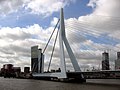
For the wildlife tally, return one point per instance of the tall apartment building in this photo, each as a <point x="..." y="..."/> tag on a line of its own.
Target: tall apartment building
<point x="34" y="59"/>
<point x="37" y="60"/>
<point x="105" y="61"/>
<point x="117" y="62"/>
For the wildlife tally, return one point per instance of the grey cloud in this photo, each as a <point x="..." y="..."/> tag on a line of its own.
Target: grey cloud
<point x="5" y="51"/>
<point x="34" y="6"/>
<point x="2" y="61"/>
<point x="20" y="50"/>
<point x="8" y="6"/>
<point x="20" y="36"/>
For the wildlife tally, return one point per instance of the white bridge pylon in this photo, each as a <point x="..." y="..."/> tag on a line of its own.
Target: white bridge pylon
<point x="62" y="42"/>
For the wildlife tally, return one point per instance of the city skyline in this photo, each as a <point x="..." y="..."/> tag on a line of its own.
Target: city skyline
<point x="27" y="23"/>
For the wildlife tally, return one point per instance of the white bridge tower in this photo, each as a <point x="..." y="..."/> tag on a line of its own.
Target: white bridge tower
<point x="63" y="42"/>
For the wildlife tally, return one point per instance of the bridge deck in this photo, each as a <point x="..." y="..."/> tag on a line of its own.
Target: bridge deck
<point x="95" y="74"/>
<point x="87" y="75"/>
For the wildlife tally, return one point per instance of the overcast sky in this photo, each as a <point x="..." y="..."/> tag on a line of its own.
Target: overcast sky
<point x="92" y="27"/>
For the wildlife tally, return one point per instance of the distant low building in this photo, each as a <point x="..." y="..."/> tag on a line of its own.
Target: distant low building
<point x="17" y="69"/>
<point x="26" y="69"/>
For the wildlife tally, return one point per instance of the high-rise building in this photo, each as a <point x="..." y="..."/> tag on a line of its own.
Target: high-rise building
<point x="117" y="62"/>
<point x="118" y="55"/>
<point x="105" y="61"/>
<point x="34" y="59"/>
<point x="37" y="60"/>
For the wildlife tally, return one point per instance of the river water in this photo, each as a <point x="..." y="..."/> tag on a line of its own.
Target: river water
<point x="29" y="84"/>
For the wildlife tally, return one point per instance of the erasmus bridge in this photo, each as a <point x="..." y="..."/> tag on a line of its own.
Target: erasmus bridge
<point x="37" y="66"/>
